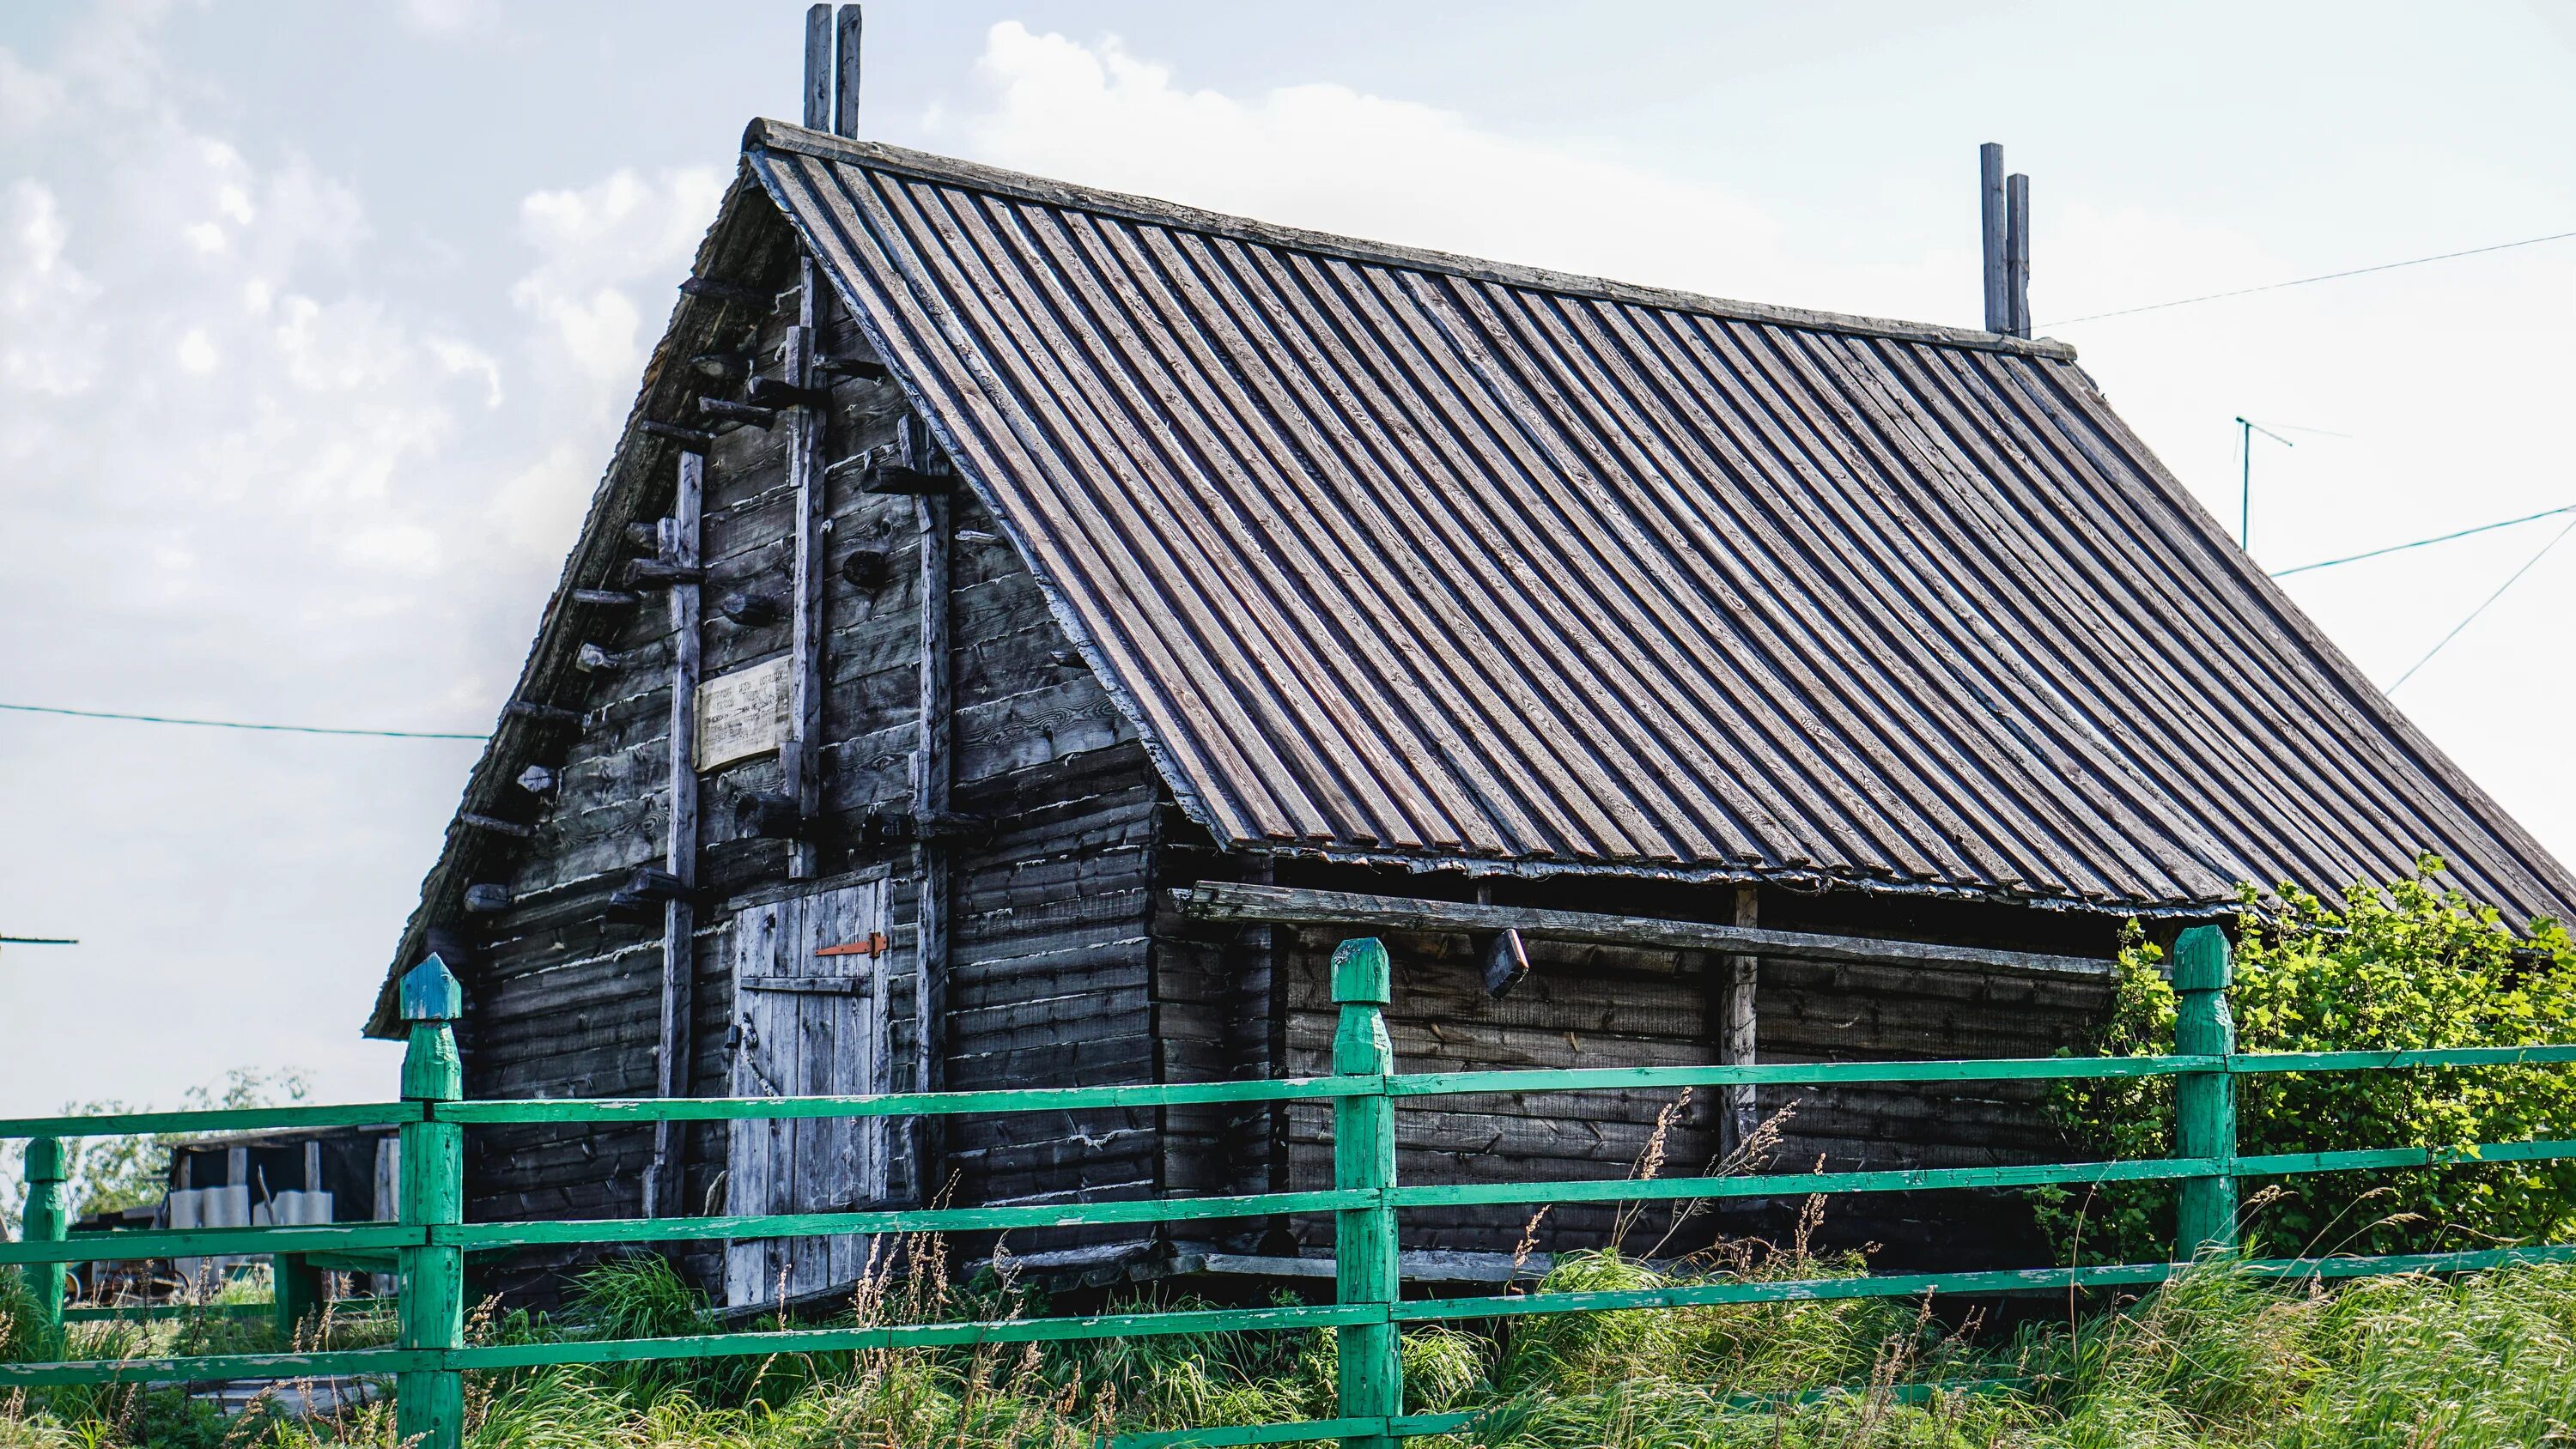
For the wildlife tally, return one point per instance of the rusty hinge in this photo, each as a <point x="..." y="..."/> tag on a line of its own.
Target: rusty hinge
<point x="875" y="945"/>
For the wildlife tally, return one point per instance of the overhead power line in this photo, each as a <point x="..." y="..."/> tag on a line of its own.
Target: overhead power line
<point x="228" y="724"/>
<point x="2420" y="542"/>
<point x="2482" y="607"/>
<point x="2529" y="241"/>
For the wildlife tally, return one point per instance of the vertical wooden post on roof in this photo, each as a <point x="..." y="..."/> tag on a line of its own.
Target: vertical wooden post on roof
<point x="1370" y="1364"/>
<point x="931" y="774"/>
<point x="802" y="755"/>
<point x="818" y="67"/>
<point x="2204" y="1102"/>
<point x="429" y="1404"/>
<point x="2017" y="253"/>
<point x="1991" y="213"/>
<point x="1737" y="1038"/>
<point x="845" y="88"/>
<point x="672" y="1063"/>
<point x="46" y="1220"/>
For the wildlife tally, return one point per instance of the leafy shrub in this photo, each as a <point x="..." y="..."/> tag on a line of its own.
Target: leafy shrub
<point x="2413" y="965"/>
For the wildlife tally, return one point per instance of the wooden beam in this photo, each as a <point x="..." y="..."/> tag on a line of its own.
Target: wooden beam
<point x="931" y="773"/>
<point x="679" y="841"/>
<point x="1239" y="904"/>
<point x="845" y="67"/>
<point x="803" y="759"/>
<point x="818" y="67"/>
<point x="1737" y="1037"/>
<point x="2017" y="254"/>
<point x="1990" y="215"/>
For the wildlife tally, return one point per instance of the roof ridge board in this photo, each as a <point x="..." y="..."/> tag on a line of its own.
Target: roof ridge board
<point x="927" y="166"/>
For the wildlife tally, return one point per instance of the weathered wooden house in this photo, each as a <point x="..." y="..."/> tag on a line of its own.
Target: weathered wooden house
<point x="998" y="581"/>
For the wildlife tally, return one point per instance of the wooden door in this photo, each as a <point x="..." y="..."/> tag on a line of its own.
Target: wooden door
<point x="809" y="984"/>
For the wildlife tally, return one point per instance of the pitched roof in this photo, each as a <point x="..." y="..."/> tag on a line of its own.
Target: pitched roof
<point x="1405" y="557"/>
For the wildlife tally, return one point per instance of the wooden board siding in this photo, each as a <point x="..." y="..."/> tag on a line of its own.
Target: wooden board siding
<point x="1603" y="1006"/>
<point x="1048" y="949"/>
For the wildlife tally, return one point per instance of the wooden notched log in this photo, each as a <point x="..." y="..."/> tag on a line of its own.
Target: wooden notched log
<point x="863" y="369"/>
<point x="1505" y="964"/>
<point x="1235" y="903"/>
<point x="691" y="440"/>
<point x="896" y="827"/>
<point x="776" y="392"/>
<point x="903" y="481"/>
<point x="606" y="598"/>
<point x="495" y="824"/>
<point x="590" y="658"/>
<point x="734" y="412"/>
<point x="766" y="815"/>
<point x="486" y="897"/>
<point x="868" y="570"/>
<point x="553" y="716"/>
<point x="537" y="780"/>
<point x="752" y="608"/>
<point x="656" y="573"/>
<point x="653" y="535"/>
<point x="726" y="292"/>
<point x="641" y="898"/>
<point x="722" y="365"/>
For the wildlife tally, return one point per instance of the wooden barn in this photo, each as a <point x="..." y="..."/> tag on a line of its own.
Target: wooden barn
<point x="1023" y="627"/>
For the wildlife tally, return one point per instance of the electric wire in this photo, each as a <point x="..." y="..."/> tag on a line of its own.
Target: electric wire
<point x="2482" y="608"/>
<point x="228" y="724"/>
<point x="2531" y="241"/>
<point x="2420" y="542"/>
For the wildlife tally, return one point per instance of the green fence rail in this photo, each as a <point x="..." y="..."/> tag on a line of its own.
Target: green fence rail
<point x="431" y="1239"/>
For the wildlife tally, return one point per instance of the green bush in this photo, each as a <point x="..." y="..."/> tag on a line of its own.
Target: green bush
<point x="2410" y="965"/>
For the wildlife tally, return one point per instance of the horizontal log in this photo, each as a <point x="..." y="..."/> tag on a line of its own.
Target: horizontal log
<point x="1236" y="903"/>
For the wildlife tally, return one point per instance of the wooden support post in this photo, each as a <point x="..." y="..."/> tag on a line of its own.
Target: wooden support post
<point x="818" y="67"/>
<point x="2017" y="253"/>
<point x="2204" y="1102"/>
<point x="845" y="68"/>
<point x="1990" y="214"/>
<point x="930" y="801"/>
<point x="1737" y="1040"/>
<point x="802" y="755"/>
<point x="296" y="1286"/>
<point x="47" y="1220"/>
<point x="1365" y="1271"/>
<point x="679" y="846"/>
<point x="429" y="1404"/>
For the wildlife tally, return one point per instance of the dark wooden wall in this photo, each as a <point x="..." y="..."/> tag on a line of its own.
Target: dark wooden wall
<point x="1605" y="1006"/>
<point x="1048" y="942"/>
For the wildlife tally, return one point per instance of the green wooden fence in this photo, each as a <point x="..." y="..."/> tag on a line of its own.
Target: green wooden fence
<point x="431" y="1240"/>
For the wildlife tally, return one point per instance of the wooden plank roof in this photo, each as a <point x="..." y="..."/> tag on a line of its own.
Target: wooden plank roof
<point x="1405" y="557"/>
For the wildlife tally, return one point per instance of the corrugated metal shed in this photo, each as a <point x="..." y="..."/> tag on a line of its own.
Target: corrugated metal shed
<point x="1404" y="557"/>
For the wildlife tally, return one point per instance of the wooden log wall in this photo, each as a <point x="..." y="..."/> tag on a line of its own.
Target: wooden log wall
<point x="1604" y="1006"/>
<point x="1047" y="956"/>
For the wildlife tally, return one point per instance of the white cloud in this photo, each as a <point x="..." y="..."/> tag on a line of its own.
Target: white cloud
<point x="28" y="98"/>
<point x="197" y="352"/>
<point x="46" y="348"/>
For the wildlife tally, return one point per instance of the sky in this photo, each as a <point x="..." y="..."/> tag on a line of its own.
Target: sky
<point x="317" y="320"/>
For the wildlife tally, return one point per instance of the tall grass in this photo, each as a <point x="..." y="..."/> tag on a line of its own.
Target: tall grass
<point x="2214" y="1358"/>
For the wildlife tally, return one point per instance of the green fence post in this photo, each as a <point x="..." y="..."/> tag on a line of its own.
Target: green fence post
<point x="1372" y="1369"/>
<point x="429" y="1404"/>
<point x="297" y="1286"/>
<point x="46" y="1222"/>
<point x="2204" y="1102"/>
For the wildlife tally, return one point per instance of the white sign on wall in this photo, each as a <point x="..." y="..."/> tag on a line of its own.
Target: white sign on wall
<point x="742" y="714"/>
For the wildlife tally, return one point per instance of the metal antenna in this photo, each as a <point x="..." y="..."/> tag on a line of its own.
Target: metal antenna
<point x="2245" y="479"/>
